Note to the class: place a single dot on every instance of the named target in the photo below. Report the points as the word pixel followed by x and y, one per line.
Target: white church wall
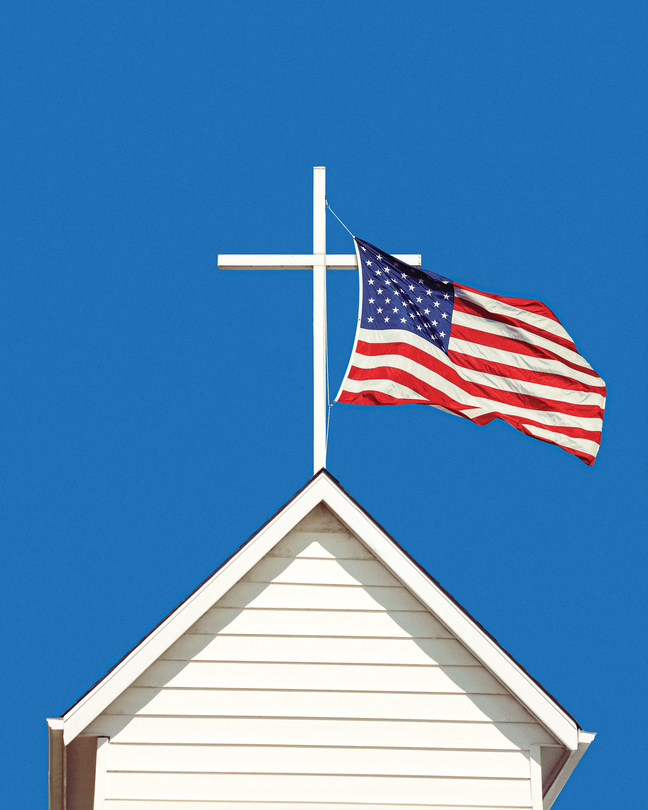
pixel 318 679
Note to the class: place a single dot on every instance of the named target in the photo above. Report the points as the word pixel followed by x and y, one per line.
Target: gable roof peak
pixel 323 488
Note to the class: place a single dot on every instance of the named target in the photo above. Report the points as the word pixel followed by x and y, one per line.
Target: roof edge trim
pixel 181 618
pixel 478 641
pixel 585 739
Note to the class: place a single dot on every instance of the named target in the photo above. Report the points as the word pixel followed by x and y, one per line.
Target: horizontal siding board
pixel 321 546
pixel 319 650
pixel 347 761
pixel 256 622
pixel 323 597
pixel 232 675
pixel 281 787
pixel 336 733
pixel 126 804
pixel 362 705
pixel 321 572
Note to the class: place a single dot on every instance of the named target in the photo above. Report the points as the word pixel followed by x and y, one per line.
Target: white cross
pixel 318 263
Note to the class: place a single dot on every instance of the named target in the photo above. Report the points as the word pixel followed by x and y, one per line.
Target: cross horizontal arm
pixel 262 261
pixel 334 261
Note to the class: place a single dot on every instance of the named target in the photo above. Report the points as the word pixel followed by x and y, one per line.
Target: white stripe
pixel 511 311
pixel 542 365
pixel 402 336
pixel 584 445
pixel 483 405
pixel 517 333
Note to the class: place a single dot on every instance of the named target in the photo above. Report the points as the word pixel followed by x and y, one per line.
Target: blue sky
pixel 155 411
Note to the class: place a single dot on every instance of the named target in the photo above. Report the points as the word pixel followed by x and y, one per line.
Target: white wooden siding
pixel 312 732
pixel 335 677
pixel 166 804
pixel 371 761
pixel 329 571
pixel 332 650
pixel 367 623
pixel 318 681
pixel 323 597
pixel 309 703
pixel 287 787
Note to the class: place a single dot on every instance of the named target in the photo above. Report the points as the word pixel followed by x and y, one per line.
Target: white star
pixel 380 292
pixel 387 282
pixel 371 281
pixel 446 296
pixel 418 300
pixel 369 264
pixel 362 248
pixel 435 323
pixel 411 314
pixel 379 309
pixel 444 315
pixel 387 300
pixel 371 300
pixel 411 286
pixel 429 292
pixel 442 334
pixel 437 304
pixel 403 275
pixel 403 320
pixel 370 320
pixel 427 311
pixel 395 309
pixel 445 282
pixel 379 258
pixel 386 320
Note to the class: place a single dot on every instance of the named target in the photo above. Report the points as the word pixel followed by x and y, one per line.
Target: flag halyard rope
pixel 338 218
pixel 328 394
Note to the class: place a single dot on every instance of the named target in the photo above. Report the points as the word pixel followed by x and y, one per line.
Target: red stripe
pixel 473 335
pixel 536 307
pixel 475 389
pixel 375 398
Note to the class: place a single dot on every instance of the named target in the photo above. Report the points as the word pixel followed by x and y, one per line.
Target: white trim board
pixel 322 488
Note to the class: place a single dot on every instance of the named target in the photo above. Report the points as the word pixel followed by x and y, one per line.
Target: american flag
pixel 424 339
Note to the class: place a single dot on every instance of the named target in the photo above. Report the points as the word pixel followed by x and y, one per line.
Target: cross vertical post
pixel 318 262
pixel 319 318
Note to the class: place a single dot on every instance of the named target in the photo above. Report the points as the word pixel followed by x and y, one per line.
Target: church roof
pixel 323 488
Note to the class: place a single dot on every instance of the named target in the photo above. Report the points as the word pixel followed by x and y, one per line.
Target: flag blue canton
pixel 398 296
